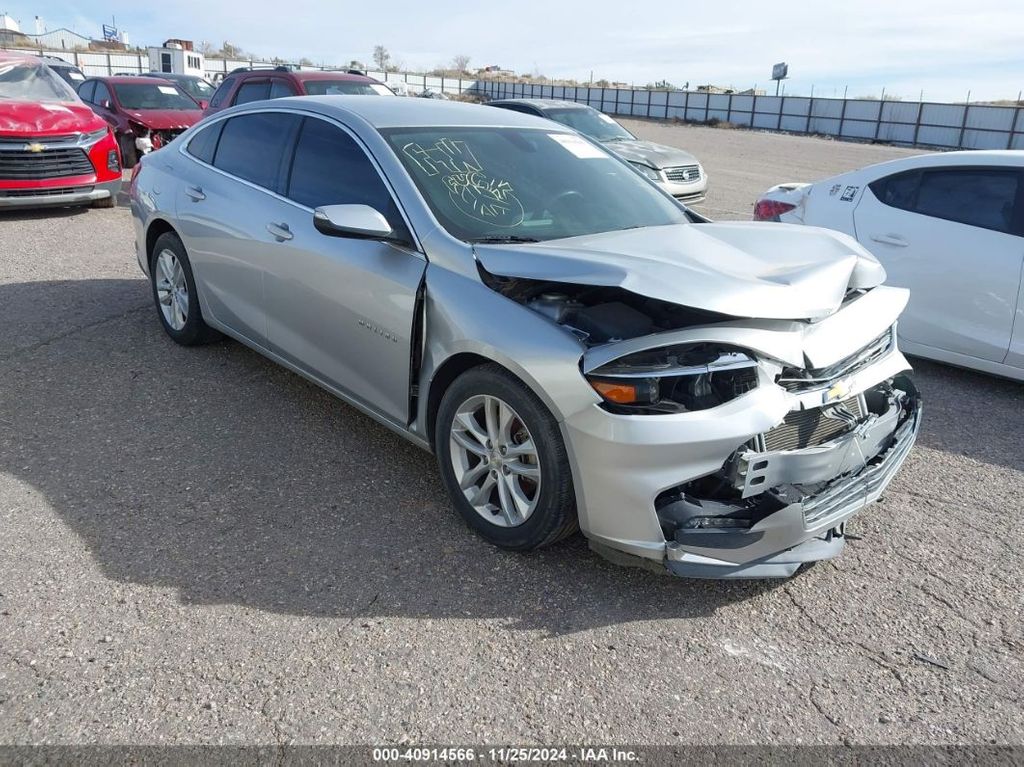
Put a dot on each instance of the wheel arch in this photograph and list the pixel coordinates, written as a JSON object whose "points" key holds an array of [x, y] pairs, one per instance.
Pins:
{"points": [[156, 228]]}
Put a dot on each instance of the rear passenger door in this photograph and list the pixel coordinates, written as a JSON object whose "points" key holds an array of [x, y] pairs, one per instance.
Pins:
{"points": [[228, 194], [953, 236], [342, 308]]}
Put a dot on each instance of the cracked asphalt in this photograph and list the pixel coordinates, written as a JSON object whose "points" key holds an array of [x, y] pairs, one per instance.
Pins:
{"points": [[197, 546]]}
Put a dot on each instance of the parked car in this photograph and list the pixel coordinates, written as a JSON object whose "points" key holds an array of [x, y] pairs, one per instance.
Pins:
{"points": [[53, 149], [196, 87], [68, 72], [950, 227], [677, 172], [717, 398], [245, 85], [146, 113]]}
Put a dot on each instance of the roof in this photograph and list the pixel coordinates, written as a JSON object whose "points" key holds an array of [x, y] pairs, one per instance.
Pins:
{"points": [[130, 79], [541, 104], [385, 112], [964, 157]]}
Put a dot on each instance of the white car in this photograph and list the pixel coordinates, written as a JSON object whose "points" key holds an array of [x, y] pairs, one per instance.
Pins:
{"points": [[950, 227]]}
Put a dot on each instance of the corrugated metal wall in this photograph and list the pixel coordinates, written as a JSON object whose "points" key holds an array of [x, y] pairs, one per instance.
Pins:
{"points": [[954, 126]]}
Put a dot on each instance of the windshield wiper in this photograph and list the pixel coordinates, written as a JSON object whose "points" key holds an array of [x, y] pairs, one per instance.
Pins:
{"points": [[503, 238]]}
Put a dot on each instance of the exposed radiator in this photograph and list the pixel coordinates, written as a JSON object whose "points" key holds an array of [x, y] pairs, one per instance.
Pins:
{"points": [[807, 428]]}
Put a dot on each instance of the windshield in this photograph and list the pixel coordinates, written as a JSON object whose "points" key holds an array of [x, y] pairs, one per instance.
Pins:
{"points": [[152, 96], [27, 81], [339, 88], [526, 184], [590, 122]]}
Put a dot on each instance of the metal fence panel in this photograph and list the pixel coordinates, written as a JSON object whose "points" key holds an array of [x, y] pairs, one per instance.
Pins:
{"points": [[826, 108], [931, 135], [942, 114]]}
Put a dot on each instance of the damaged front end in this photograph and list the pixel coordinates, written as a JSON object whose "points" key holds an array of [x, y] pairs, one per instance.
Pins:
{"points": [[728, 447]]}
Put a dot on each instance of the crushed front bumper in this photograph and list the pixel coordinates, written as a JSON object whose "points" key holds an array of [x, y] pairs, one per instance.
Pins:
{"points": [[627, 468], [807, 530]]}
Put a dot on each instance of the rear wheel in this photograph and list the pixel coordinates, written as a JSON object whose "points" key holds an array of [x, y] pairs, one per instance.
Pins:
{"points": [[503, 462], [174, 293]]}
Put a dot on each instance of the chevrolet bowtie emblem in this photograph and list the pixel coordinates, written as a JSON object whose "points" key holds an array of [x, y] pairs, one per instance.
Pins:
{"points": [[838, 391], [35, 147]]}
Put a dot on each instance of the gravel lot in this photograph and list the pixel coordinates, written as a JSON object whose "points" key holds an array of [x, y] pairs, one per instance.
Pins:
{"points": [[198, 546]]}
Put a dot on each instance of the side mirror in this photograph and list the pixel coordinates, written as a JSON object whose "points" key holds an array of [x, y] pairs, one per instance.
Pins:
{"points": [[352, 221]]}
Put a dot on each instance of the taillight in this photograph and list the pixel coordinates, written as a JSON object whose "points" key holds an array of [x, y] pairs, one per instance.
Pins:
{"points": [[770, 210]]}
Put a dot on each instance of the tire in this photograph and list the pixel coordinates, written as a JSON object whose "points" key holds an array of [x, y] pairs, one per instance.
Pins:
{"points": [[105, 202], [129, 154], [174, 293], [551, 513]]}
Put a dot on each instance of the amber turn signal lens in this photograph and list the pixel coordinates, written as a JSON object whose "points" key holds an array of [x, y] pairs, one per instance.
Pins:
{"points": [[635, 391], [621, 393]]}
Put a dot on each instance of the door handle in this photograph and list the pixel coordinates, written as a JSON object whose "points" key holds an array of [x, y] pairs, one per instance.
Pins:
{"points": [[195, 193], [890, 239], [281, 232]]}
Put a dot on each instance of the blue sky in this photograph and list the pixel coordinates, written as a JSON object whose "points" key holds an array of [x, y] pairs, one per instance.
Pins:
{"points": [[941, 47]]}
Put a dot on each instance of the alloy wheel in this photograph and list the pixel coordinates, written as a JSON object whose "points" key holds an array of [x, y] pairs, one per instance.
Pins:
{"points": [[495, 460], [171, 289]]}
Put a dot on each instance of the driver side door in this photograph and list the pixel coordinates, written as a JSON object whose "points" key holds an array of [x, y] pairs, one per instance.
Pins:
{"points": [[342, 308]]}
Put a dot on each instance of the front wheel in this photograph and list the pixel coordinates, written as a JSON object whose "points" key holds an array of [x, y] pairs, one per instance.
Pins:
{"points": [[503, 461], [174, 293], [129, 154]]}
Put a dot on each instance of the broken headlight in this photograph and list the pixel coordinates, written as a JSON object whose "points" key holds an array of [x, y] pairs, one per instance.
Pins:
{"points": [[674, 379]]}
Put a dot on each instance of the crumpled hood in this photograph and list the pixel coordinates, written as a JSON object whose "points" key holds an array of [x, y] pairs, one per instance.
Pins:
{"points": [[47, 118], [165, 119], [742, 269], [656, 155]]}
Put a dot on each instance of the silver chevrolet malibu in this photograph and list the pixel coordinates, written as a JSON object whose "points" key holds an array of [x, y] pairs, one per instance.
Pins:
{"points": [[576, 347]]}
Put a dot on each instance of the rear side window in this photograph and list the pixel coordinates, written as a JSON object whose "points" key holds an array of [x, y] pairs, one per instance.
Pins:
{"points": [[254, 91], [203, 145], [329, 168], [977, 197], [898, 191], [252, 146], [280, 89], [222, 92]]}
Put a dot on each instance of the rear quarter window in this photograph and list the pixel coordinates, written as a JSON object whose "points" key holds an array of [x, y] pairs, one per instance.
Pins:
{"points": [[203, 145], [221, 95]]}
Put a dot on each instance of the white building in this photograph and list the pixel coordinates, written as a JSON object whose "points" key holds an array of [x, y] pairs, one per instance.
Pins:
{"points": [[7, 24], [174, 58]]}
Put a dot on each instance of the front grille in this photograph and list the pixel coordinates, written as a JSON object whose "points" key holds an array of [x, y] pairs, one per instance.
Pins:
{"points": [[22, 140], [55, 191], [800, 379], [50, 163], [807, 428], [686, 173]]}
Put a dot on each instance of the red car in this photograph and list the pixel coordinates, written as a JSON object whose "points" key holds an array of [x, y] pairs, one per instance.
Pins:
{"points": [[53, 149], [244, 85], [146, 113]]}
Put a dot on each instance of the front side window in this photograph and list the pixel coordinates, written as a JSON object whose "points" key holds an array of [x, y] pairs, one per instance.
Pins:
{"points": [[253, 91], [526, 183], [102, 93], [590, 122], [86, 91], [329, 168], [983, 198], [28, 81], [339, 88], [222, 92], [153, 96], [252, 146]]}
